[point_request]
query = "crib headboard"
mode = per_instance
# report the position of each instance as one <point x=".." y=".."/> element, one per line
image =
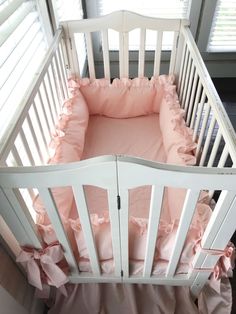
<point x="123" y="22"/>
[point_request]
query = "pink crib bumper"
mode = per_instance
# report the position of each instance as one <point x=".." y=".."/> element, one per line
<point x="68" y="144"/>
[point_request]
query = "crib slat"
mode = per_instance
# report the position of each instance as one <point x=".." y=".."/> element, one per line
<point x="89" y="45"/>
<point x="196" y="102"/>
<point x="207" y="142"/>
<point x="40" y="127"/>
<point x="19" y="217"/>
<point x="55" y="219"/>
<point x="199" y="115"/>
<point x="157" y="58"/>
<point x="34" y="138"/>
<point x="193" y="92"/>
<point x="105" y="50"/>
<point x="223" y="157"/>
<point x="87" y="228"/>
<point x="63" y="68"/>
<point x="186" y="100"/>
<point x="154" y="218"/>
<point x="180" y="81"/>
<point x="44" y="111"/>
<point x="61" y="73"/>
<point x="183" y="80"/>
<point x="16" y="156"/>
<point x="26" y="147"/>
<point x="124" y="55"/>
<point x="184" y="223"/>
<point x="54" y="80"/>
<point x="186" y="85"/>
<point x="214" y="149"/>
<point x="52" y="94"/>
<point x="11" y="219"/>
<point x="48" y="104"/>
<point x="173" y="54"/>
<point x="141" y="58"/>
<point x="115" y="230"/>
<point x="124" y="232"/>
<point x="60" y="80"/>
<point x="203" y="128"/>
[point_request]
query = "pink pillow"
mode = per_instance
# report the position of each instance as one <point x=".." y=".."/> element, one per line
<point x="124" y="98"/>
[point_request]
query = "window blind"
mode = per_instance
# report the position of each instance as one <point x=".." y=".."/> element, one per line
<point x="223" y="31"/>
<point x="153" y="8"/>
<point x="68" y="10"/>
<point x="22" y="48"/>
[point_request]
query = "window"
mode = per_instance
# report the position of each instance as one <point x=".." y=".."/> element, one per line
<point x="154" y="8"/>
<point x="22" y="48"/>
<point x="223" y="30"/>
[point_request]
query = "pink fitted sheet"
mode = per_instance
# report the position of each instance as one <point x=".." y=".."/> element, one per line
<point x="139" y="137"/>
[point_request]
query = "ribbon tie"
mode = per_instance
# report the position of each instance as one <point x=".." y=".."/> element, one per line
<point x="41" y="266"/>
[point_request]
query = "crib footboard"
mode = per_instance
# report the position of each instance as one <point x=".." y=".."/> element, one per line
<point x="117" y="175"/>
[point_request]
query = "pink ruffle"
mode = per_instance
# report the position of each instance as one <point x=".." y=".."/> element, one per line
<point x="165" y="80"/>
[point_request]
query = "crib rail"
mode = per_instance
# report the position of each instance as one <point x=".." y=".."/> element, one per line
<point x="204" y="111"/>
<point x="28" y="136"/>
<point x="120" y="174"/>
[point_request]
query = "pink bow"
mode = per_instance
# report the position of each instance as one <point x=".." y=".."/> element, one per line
<point x="41" y="266"/>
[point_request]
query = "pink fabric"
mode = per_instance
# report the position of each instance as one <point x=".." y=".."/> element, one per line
<point x="41" y="266"/>
<point x="123" y="98"/>
<point x="139" y="299"/>
<point x="162" y="137"/>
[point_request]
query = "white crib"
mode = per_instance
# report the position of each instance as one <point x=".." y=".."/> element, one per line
<point x="22" y="171"/>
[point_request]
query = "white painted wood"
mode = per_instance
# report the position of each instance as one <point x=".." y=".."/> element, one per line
<point x="183" y="79"/>
<point x="124" y="231"/>
<point x="212" y="95"/>
<point x="173" y="53"/>
<point x="124" y="21"/>
<point x="124" y="55"/>
<point x="27" y="148"/>
<point x="87" y="228"/>
<point x="199" y="116"/>
<point x="184" y="223"/>
<point x="61" y="74"/>
<point x="223" y="157"/>
<point x="45" y="117"/>
<point x="141" y="58"/>
<point x="51" y="209"/>
<point x="50" y="107"/>
<point x="16" y="156"/>
<point x="36" y="143"/>
<point x="191" y="101"/>
<point x="203" y="128"/>
<point x="105" y="50"/>
<point x="186" y="79"/>
<point x="54" y="103"/>
<point x="153" y="223"/>
<point x="157" y="58"/>
<point x="40" y="127"/>
<point x="180" y="80"/>
<point x="214" y="149"/>
<point x="207" y="142"/>
<point x="115" y="229"/>
<point x="89" y="46"/>
<point x="17" y="217"/>
<point x="189" y="88"/>
<point x="53" y="80"/>
<point x="195" y="106"/>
